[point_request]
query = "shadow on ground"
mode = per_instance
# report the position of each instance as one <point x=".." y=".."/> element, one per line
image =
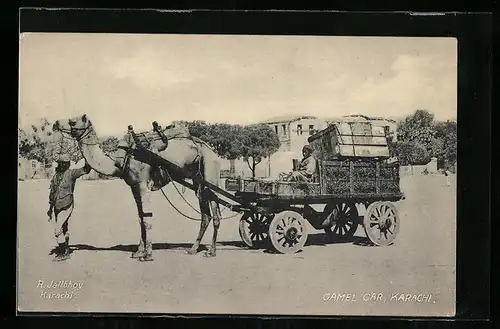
<point x="312" y="240"/>
<point x="320" y="239"/>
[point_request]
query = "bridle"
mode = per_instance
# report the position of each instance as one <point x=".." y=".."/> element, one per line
<point x="73" y="133"/>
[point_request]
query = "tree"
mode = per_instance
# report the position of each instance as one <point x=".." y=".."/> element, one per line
<point x="197" y="128"/>
<point x="253" y="142"/>
<point x="411" y="153"/>
<point x="258" y="141"/>
<point x="439" y="139"/>
<point x="446" y="133"/>
<point x="60" y="143"/>
<point x="222" y="137"/>
<point x="226" y="140"/>
<point x="32" y="141"/>
<point x="109" y="144"/>
<point x="23" y="143"/>
<point x="437" y="149"/>
<point x="418" y="127"/>
<point x="41" y="144"/>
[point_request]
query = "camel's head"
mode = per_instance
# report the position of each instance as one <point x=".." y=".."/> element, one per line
<point x="76" y="127"/>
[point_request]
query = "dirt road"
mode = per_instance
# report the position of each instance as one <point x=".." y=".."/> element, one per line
<point x="104" y="230"/>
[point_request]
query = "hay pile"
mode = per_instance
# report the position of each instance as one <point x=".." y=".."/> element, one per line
<point x="339" y="179"/>
<point x="389" y="178"/>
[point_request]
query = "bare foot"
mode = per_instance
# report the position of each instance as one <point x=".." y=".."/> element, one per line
<point x="60" y="258"/>
<point x="146" y="258"/>
<point x="137" y="254"/>
<point x="192" y="251"/>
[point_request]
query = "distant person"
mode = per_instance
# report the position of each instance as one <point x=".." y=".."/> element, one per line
<point x="61" y="202"/>
<point x="307" y="167"/>
<point x="447" y="175"/>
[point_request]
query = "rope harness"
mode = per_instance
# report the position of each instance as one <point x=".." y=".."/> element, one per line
<point x="187" y="202"/>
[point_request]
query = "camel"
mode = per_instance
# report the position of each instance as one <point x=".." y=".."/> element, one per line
<point x="196" y="158"/>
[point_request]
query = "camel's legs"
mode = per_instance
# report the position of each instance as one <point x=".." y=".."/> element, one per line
<point x="137" y="197"/>
<point x="142" y="197"/>
<point x="147" y="217"/>
<point x="214" y="205"/>
<point x="205" y="220"/>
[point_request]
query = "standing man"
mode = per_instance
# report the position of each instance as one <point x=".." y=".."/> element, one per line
<point x="447" y="174"/>
<point x="307" y="167"/>
<point x="61" y="202"/>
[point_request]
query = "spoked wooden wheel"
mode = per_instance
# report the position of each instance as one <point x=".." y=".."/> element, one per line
<point x="343" y="221"/>
<point x="381" y="223"/>
<point x="254" y="229"/>
<point x="288" y="232"/>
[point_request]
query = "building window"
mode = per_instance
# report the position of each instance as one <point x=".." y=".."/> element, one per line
<point x="33" y="164"/>
<point x="276" y="129"/>
<point x="284" y="130"/>
<point x="311" y="129"/>
<point x="299" y="129"/>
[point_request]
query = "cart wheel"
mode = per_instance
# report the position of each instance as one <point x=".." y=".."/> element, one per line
<point x="254" y="229"/>
<point x="343" y="219"/>
<point x="381" y="223"/>
<point x="288" y="232"/>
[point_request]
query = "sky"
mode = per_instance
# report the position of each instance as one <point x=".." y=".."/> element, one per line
<point x="122" y="79"/>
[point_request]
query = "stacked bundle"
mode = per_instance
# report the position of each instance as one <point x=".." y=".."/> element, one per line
<point x="339" y="179"/>
<point x="338" y="187"/>
<point x="387" y="171"/>
<point x="297" y="188"/>
<point x="337" y="174"/>
<point x="251" y="185"/>
<point x="389" y="178"/>
<point x="364" y="177"/>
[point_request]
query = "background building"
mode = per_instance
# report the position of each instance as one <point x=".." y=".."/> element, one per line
<point x="293" y="131"/>
<point x="32" y="169"/>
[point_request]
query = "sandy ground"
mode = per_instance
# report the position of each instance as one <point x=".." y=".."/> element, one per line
<point x="104" y="230"/>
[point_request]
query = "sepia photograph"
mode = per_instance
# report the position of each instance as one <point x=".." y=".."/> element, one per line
<point x="237" y="174"/>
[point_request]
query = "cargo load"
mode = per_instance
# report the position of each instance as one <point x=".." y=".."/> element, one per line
<point x="350" y="140"/>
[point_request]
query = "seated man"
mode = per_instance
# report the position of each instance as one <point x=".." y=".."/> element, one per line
<point x="307" y="167"/>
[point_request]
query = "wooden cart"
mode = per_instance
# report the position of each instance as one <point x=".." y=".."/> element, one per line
<point x="354" y="173"/>
<point x="280" y="209"/>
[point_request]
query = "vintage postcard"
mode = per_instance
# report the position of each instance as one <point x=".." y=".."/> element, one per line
<point x="237" y="174"/>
